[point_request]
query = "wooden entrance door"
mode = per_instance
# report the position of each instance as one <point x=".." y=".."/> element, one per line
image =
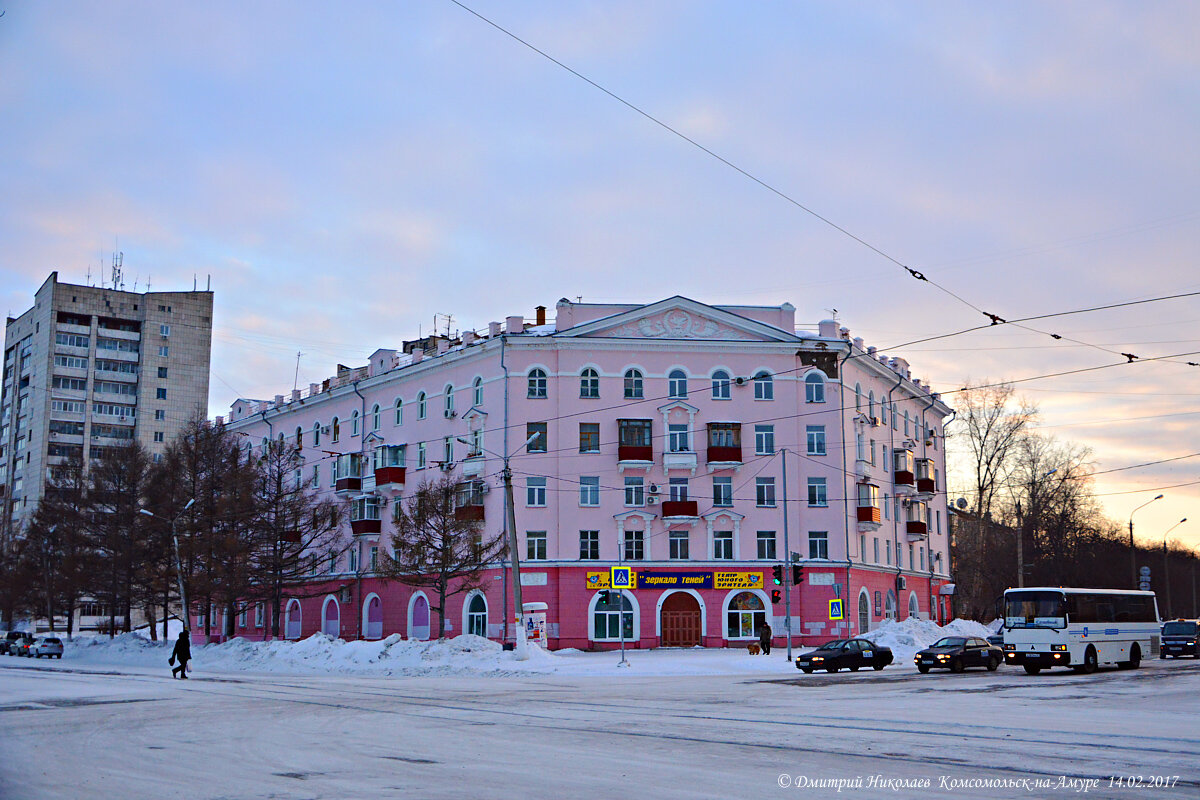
<point x="681" y="621"/>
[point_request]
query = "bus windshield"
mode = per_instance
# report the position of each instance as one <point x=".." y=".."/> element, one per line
<point x="1034" y="610"/>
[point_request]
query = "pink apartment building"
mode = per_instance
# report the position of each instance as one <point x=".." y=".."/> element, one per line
<point x="664" y="435"/>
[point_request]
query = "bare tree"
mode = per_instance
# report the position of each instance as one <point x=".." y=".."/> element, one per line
<point x="993" y="421"/>
<point x="437" y="546"/>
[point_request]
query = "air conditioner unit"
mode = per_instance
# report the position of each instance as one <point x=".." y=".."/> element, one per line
<point x="484" y="488"/>
<point x="908" y="443"/>
<point x="450" y="413"/>
<point x="652" y="501"/>
<point x="900" y="582"/>
<point x="874" y="422"/>
<point x="739" y="381"/>
<point x="654" y="488"/>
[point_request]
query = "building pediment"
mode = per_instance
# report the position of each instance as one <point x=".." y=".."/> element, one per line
<point x="679" y="318"/>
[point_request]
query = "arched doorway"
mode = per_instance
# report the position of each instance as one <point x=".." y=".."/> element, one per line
<point x="680" y="620"/>
<point x="373" y="618"/>
<point x="477" y="616"/>
<point x="419" y="629"/>
<point x="331" y="619"/>
<point x="864" y="612"/>
<point x="291" y="620"/>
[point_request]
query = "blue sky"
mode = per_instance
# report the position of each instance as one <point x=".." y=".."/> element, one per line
<point x="345" y="172"/>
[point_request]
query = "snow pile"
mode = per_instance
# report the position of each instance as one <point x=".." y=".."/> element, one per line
<point x="907" y="637"/>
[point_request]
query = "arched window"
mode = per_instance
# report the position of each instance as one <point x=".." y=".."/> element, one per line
<point x="331" y="618"/>
<point x="858" y="397"/>
<point x="889" y="605"/>
<point x="375" y="417"/>
<point x="336" y="429"/>
<point x="814" y="387"/>
<point x="477" y="387"/>
<point x="610" y="621"/>
<point x="589" y="383"/>
<point x="871" y="405"/>
<point x="720" y="385"/>
<point x="906" y="423"/>
<point x="316" y="434"/>
<point x="399" y="420"/>
<point x="354" y="424"/>
<point x="292" y="620"/>
<point x="914" y="607"/>
<point x="633" y="384"/>
<point x="677" y="384"/>
<point x="421" y="405"/>
<point x="746" y="615"/>
<point x="477" y="616"/>
<point x="764" y="386"/>
<point x="373" y="618"/>
<point x="883" y="413"/>
<point x="299" y="437"/>
<point x="537" y="383"/>
<point x="448" y="400"/>
<point x="895" y="418"/>
<point x="864" y="613"/>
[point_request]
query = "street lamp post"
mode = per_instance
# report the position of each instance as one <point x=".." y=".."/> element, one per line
<point x="1132" y="550"/>
<point x="1166" y="572"/>
<point x="178" y="562"/>
<point x="520" y="648"/>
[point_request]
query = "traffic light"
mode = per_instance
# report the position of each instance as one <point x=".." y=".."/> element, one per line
<point x="797" y="575"/>
<point x="777" y="572"/>
<point x="605" y="597"/>
<point x="776" y="596"/>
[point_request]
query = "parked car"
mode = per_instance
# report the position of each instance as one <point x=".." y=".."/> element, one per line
<point x="49" y="647"/>
<point x="956" y="653"/>
<point x="1180" y="637"/>
<point x="20" y="647"/>
<point x="7" y="642"/>
<point x="997" y="639"/>
<point x="850" y="653"/>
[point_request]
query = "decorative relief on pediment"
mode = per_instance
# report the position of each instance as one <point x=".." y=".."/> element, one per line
<point x="676" y="324"/>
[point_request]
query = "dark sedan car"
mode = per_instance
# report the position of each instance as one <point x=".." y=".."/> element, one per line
<point x="853" y="654"/>
<point x="20" y="647"/>
<point x="956" y="653"/>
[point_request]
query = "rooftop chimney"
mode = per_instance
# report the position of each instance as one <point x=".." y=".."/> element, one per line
<point x="514" y="324"/>
<point x="541" y="315"/>
<point x="493" y="329"/>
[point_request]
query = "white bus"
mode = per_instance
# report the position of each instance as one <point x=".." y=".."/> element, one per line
<point x="1052" y="626"/>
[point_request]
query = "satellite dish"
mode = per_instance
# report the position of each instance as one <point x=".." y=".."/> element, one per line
<point x="961" y="502"/>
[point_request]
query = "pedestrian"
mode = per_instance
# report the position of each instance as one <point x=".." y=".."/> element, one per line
<point x="764" y="638"/>
<point x="183" y="654"/>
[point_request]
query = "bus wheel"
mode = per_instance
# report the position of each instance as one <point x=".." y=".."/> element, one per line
<point x="1032" y="669"/>
<point x="1090" y="662"/>
<point x="1135" y="658"/>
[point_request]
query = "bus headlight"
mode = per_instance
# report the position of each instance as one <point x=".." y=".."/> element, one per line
<point x="1060" y="648"/>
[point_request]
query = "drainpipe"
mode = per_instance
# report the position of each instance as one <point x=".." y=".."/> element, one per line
<point x="928" y="552"/>
<point x="895" y="522"/>
<point x="362" y="450"/>
<point x="504" y="449"/>
<point x="845" y="474"/>
<point x="928" y="534"/>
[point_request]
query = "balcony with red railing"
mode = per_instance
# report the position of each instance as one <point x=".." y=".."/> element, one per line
<point x="359" y="526"/>
<point x="869" y="514"/>
<point x="635" y="452"/>
<point x="348" y="485"/>
<point x="469" y="513"/>
<point x="926" y="485"/>
<point x="724" y="455"/>
<point x="389" y="477"/>
<point x="916" y="529"/>
<point x="680" y="508"/>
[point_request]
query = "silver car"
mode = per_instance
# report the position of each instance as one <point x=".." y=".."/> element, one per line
<point x="49" y="647"/>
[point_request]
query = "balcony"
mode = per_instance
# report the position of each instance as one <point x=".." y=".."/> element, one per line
<point x="469" y="513"/>
<point x="389" y="479"/>
<point x="472" y="465"/>
<point x="680" y="460"/>
<point x="360" y="526"/>
<point x="726" y="456"/>
<point x="863" y="468"/>
<point x="680" y="508"/>
<point x="916" y="529"/>
<point x="926" y="485"/>
<point x="635" y="452"/>
<point x="905" y="482"/>
<point x="347" y="485"/>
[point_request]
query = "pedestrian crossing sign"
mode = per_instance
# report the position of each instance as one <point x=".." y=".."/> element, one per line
<point x="621" y="578"/>
<point x="835" y="610"/>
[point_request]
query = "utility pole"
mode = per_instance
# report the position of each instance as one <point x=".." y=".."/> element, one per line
<point x="1132" y="549"/>
<point x="1166" y="567"/>
<point x="178" y="563"/>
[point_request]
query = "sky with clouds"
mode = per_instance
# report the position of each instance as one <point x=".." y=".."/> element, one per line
<point x="344" y="172"/>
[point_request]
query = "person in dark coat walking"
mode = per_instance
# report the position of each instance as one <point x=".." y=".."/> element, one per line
<point x="764" y="638"/>
<point x="183" y="654"/>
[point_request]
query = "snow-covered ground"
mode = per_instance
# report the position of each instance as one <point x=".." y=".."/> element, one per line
<point x="472" y="655"/>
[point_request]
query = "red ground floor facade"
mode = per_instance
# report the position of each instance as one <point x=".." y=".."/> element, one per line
<point x="671" y="606"/>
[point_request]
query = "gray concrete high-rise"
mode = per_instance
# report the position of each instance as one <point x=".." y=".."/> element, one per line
<point x="91" y="367"/>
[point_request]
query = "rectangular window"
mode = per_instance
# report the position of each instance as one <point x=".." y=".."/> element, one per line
<point x="766" y="545"/>
<point x="535" y="546"/>
<point x="164" y="330"/>
<point x="164" y="351"/>
<point x="72" y="340"/>
<point x="241" y="619"/>
<point x="535" y="492"/>
<point x="816" y="439"/>
<point x="722" y="491"/>
<point x="887" y="514"/>
<point x="589" y="437"/>
<point x="876" y="550"/>
<point x="678" y="490"/>
<point x="817" y="492"/>
<point x="374" y="558"/>
<point x="162" y="372"/>
<point x="634" y="432"/>
<point x="678" y="545"/>
<point x="723" y="545"/>
<point x="724" y="434"/>
<point x="886" y="467"/>
<point x="765" y="492"/>
<point x="818" y="544"/>
<point x="158" y="436"/>
<point x="589" y="490"/>
<point x="420" y="455"/>
<point x="447" y="448"/>
<point x="71" y="362"/>
<point x="635" y="546"/>
<point x="537" y="429"/>
<point x="160" y="414"/>
<point x="764" y="440"/>
<point x="259" y="615"/>
<point x="922" y="551"/>
<point x="635" y="492"/>
<point x="72" y="384"/>
<point x="315" y="483"/>
<point x="160" y="393"/>
<point x="887" y="550"/>
<point x="589" y="545"/>
<point x="678" y="440"/>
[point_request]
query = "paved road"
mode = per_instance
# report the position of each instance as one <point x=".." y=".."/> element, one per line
<point x="75" y="732"/>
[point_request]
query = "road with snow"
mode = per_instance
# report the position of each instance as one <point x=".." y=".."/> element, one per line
<point x="73" y="730"/>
